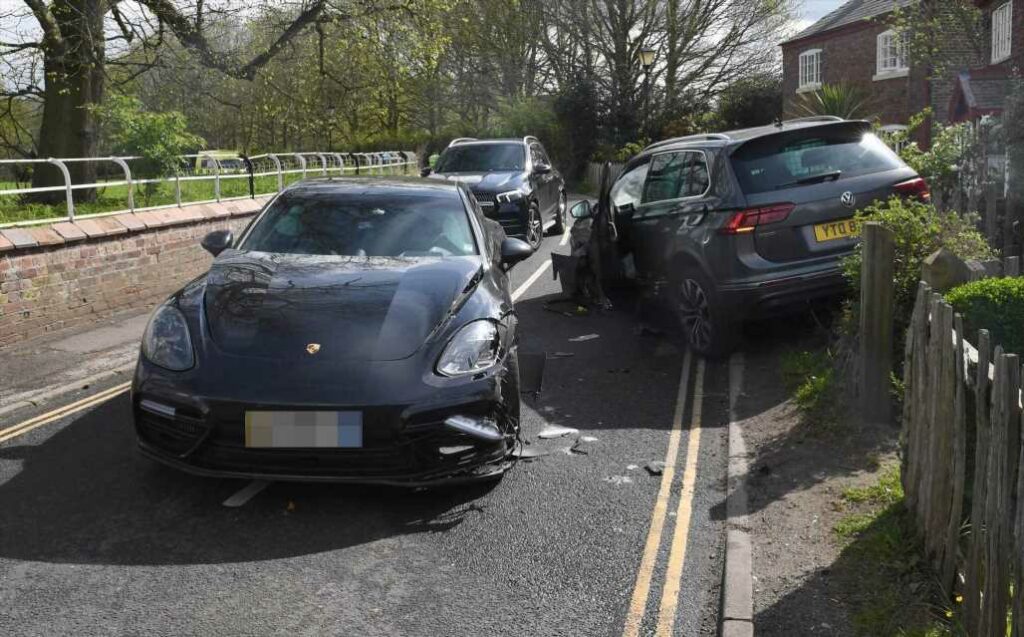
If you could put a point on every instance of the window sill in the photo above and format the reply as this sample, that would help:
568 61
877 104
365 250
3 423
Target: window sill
809 88
890 75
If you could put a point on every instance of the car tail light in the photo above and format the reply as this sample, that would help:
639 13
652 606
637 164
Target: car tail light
747 220
916 188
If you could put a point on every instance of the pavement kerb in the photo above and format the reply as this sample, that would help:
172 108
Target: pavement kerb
737 610
68 388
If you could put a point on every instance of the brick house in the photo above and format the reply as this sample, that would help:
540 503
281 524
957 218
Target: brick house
981 88
854 46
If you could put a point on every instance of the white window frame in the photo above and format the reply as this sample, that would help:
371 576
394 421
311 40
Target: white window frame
809 69
1002 32
891 55
890 129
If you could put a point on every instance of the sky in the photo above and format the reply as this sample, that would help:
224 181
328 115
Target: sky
808 11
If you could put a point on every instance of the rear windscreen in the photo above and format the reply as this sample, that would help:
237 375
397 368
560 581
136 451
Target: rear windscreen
810 156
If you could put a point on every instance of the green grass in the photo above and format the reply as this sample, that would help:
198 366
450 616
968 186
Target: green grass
811 380
887 583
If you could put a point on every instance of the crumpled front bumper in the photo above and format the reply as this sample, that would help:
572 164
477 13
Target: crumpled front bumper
404 443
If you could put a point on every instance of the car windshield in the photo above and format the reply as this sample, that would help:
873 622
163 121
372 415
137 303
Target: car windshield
811 156
478 158
416 224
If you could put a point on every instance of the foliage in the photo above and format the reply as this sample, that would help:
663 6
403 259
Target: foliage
157 138
931 27
996 305
578 119
939 164
919 229
750 101
811 379
892 588
842 100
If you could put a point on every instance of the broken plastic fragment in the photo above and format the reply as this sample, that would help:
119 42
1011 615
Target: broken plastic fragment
555 431
632 467
619 480
585 337
655 468
529 454
588 439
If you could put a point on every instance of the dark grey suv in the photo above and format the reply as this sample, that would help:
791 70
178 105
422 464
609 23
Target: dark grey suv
513 180
749 222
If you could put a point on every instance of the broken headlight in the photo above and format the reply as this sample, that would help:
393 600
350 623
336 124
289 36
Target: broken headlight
166 342
473 349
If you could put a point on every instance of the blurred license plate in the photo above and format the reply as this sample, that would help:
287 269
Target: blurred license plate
842 229
295 429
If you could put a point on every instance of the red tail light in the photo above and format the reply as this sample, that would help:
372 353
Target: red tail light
916 188
747 220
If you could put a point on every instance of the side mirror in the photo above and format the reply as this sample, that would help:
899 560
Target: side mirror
513 251
542 169
218 241
581 210
425 172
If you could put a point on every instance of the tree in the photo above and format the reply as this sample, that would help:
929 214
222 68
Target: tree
74 53
751 101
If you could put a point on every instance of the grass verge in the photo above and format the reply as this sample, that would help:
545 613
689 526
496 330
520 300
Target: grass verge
887 584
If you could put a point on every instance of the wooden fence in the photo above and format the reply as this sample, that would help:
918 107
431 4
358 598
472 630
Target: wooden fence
961 451
593 174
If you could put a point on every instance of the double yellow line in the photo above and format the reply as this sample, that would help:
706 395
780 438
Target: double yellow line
684 510
61 412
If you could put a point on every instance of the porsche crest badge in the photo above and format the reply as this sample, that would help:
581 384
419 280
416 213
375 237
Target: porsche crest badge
312 348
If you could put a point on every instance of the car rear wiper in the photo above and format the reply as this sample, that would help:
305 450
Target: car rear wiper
813 179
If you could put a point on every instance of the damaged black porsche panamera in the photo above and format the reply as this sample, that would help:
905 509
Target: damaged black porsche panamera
357 331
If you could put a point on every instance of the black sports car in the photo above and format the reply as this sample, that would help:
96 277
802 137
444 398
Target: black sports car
357 331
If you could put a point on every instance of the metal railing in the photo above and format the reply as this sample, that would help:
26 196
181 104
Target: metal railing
219 169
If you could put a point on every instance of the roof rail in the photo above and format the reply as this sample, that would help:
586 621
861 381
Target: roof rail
814 118
459 140
703 137
530 139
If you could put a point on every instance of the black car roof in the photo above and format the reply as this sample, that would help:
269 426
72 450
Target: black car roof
373 185
738 137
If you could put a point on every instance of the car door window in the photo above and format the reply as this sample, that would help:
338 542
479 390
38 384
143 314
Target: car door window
629 186
676 175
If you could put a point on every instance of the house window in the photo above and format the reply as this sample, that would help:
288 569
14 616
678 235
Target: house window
810 69
896 136
1002 18
892 52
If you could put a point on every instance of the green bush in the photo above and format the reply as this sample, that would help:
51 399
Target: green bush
996 305
919 231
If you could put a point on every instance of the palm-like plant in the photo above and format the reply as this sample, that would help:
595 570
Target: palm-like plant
841 100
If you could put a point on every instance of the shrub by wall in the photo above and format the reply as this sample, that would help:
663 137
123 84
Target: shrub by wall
996 305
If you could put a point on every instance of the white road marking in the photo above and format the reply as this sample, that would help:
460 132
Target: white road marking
521 290
247 493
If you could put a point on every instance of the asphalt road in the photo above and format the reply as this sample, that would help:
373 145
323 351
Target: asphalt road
96 540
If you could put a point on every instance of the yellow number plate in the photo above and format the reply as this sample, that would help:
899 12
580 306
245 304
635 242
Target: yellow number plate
842 229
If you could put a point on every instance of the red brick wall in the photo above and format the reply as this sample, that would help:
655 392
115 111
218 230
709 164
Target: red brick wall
66 275
849 57
1015 63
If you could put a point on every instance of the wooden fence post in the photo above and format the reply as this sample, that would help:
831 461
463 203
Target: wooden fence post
992 214
876 320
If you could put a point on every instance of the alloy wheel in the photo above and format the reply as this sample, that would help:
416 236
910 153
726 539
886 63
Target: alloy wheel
534 228
695 314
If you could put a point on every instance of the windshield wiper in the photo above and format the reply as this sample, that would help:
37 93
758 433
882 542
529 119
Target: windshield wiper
813 179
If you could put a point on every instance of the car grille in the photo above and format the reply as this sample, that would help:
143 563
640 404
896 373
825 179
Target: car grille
393 447
485 198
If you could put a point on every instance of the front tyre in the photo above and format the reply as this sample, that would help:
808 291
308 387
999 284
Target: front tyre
534 226
560 213
706 327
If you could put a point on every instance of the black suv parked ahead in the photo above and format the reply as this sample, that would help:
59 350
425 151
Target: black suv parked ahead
513 181
750 222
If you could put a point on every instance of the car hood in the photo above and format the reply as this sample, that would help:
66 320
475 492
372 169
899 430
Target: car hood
346 308
485 181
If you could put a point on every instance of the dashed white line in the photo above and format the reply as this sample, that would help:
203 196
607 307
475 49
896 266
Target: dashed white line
521 290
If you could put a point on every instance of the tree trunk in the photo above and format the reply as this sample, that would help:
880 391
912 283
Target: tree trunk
74 85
